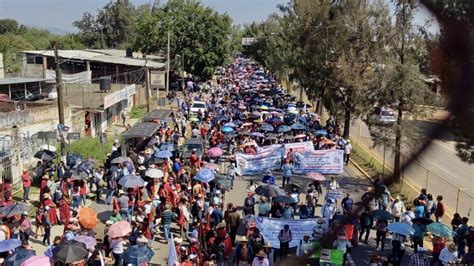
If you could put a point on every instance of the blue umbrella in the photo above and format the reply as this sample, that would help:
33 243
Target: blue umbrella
230 124
320 132
441 230
73 159
298 126
266 127
284 199
227 129
9 244
138 254
401 228
283 128
131 181
205 175
163 154
19 256
86 165
269 179
166 146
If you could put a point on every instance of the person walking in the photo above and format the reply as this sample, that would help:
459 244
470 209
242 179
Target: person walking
398 248
287 169
232 220
347 151
397 208
438 244
439 212
116 245
123 204
25 227
46 222
243 253
26 182
366 222
347 204
420 230
167 216
285 237
123 115
381 234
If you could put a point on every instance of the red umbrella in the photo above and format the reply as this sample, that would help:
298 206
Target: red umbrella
215 152
316 176
119 229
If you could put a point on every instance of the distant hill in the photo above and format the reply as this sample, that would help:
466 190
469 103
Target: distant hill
53 30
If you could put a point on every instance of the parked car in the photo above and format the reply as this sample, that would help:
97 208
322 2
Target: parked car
198 106
383 116
192 144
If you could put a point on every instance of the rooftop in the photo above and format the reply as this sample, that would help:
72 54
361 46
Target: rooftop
21 80
102 56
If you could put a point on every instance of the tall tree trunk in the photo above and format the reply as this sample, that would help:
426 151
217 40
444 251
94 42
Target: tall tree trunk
398 145
347 123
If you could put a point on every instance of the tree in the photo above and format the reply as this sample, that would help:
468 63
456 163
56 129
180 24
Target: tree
199 35
8 25
112 27
10 46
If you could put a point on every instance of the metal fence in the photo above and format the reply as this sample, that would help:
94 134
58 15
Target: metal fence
419 175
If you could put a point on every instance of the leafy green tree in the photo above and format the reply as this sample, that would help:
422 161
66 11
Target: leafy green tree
8 25
198 34
10 46
112 27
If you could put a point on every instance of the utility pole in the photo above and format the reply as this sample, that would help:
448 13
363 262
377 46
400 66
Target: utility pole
147 86
59 90
168 63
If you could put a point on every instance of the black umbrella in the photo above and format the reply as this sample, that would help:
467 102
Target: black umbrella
284 199
19 256
15 209
269 191
73 159
154 160
40 154
423 220
381 215
70 251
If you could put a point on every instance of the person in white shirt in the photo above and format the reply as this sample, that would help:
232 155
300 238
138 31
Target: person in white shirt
397 208
333 184
116 245
448 254
347 151
329 209
261 259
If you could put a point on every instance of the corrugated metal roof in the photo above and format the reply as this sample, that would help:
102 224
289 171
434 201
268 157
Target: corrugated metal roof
141 130
160 114
96 56
20 80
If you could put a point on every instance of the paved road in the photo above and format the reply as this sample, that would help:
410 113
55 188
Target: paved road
438 162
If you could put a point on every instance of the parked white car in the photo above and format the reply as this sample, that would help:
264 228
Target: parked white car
198 106
384 116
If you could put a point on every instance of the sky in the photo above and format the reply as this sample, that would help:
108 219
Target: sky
60 14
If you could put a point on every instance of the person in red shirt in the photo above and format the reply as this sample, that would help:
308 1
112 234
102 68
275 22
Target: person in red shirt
203 131
52 208
64 211
438 244
83 192
44 186
26 181
193 158
439 213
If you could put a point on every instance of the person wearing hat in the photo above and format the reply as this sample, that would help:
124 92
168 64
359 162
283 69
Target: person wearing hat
305 248
448 254
167 216
243 252
261 259
26 182
25 227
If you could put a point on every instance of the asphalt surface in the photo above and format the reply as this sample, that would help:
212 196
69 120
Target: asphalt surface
438 169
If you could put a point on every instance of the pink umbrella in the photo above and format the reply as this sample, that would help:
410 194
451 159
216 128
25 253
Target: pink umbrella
211 166
247 124
119 229
300 136
316 176
215 152
37 260
89 241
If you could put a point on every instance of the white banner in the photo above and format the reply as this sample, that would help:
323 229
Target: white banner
321 161
80 78
253 164
118 96
300 147
270 229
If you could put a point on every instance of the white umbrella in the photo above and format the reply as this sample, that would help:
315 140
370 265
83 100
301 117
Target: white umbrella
154 173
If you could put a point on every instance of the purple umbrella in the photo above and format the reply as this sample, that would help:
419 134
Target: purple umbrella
215 152
89 241
258 134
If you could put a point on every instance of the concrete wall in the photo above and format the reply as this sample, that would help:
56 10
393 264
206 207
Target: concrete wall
33 71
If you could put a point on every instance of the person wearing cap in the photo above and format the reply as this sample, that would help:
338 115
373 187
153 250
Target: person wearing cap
26 182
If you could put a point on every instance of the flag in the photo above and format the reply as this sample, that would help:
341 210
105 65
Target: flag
172 256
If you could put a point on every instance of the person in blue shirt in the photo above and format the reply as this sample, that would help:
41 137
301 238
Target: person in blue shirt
287 169
420 230
288 212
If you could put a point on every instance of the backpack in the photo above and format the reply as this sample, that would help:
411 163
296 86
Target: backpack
348 204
